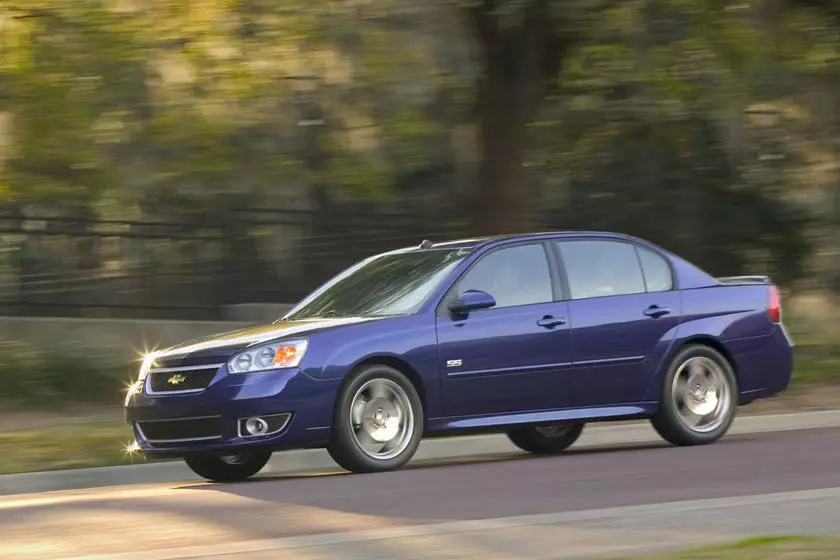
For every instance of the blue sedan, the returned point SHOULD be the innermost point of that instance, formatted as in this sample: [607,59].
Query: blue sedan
[530,335]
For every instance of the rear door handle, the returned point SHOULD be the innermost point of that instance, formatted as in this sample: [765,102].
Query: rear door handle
[655,311]
[549,322]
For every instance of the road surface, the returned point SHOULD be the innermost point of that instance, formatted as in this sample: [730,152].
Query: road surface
[604,499]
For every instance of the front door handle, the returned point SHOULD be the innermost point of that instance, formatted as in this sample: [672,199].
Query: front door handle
[549,322]
[655,311]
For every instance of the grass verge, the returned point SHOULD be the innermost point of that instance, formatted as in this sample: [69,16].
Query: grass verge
[763,548]
[56,442]
[66,446]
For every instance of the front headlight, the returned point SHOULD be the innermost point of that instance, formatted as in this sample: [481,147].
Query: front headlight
[285,354]
[148,362]
[137,387]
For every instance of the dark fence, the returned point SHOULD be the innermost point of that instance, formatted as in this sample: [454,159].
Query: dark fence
[60,266]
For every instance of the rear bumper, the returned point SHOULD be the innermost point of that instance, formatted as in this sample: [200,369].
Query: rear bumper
[764,364]
[208,420]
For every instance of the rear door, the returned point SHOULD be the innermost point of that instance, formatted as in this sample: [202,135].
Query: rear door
[624,310]
[511,357]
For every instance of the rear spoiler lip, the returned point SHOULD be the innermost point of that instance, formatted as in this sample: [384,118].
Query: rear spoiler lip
[754,279]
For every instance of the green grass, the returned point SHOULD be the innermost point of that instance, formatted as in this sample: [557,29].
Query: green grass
[763,548]
[66,444]
[815,366]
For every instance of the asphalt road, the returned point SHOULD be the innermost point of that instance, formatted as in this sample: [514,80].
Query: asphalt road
[613,500]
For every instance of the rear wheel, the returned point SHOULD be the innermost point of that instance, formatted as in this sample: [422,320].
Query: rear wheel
[228,467]
[378,421]
[546,439]
[699,397]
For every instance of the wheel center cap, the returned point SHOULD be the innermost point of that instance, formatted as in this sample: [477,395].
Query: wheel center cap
[700,391]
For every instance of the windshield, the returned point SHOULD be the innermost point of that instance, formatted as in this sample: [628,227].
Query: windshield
[389,284]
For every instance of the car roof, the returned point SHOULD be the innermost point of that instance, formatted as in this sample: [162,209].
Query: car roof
[475,243]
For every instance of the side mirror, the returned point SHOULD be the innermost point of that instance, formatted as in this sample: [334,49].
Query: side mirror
[470,301]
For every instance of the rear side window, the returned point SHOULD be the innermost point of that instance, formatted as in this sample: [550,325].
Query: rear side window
[601,268]
[656,270]
[513,276]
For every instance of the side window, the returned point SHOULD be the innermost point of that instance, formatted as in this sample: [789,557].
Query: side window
[656,270]
[513,276]
[601,268]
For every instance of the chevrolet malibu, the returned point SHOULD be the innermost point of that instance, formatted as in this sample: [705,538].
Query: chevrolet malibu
[531,335]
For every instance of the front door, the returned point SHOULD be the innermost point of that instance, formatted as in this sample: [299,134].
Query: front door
[624,315]
[512,357]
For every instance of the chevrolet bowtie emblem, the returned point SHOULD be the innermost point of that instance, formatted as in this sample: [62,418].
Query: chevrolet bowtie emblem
[176,379]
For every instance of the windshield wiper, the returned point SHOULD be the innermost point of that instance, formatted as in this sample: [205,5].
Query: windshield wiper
[328,314]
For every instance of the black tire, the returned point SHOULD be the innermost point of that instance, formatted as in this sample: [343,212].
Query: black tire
[541,440]
[228,467]
[344,447]
[668,421]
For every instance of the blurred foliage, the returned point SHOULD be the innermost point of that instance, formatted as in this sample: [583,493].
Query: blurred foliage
[57,375]
[709,126]
[67,443]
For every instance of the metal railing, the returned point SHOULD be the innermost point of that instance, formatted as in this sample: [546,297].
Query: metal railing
[58,266]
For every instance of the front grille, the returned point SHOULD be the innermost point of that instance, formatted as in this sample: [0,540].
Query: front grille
[182,429]
[178,380]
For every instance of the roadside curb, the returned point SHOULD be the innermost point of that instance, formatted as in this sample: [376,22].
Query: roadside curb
[296,462]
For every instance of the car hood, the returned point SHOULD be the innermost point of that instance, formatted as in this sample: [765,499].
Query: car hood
[225,344]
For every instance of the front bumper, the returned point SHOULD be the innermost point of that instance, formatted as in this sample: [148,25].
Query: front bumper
[227,399]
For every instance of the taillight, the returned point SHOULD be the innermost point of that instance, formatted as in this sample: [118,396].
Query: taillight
[774,304]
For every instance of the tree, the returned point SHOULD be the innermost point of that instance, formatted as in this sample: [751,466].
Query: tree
[522,45]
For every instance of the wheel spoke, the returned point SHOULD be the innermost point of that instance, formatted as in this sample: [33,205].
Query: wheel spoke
[553,430]
[379,390]
[691,416]
[232,459]
[681,387]
[357,412]
[365,440]
[696,367]
[389,445]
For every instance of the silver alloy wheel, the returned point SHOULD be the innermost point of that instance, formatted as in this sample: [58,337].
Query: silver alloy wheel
[553,430]
[381,419]
[234,459]
[702,395]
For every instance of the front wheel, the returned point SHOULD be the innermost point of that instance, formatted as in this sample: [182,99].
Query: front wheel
[378,421]
[228,467]
[699,398]
[545,440]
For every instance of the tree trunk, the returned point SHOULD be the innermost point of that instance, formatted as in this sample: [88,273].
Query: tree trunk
[519,59]
[502,194]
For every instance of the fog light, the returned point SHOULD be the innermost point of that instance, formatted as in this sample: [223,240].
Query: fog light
[265,425]
[256,426]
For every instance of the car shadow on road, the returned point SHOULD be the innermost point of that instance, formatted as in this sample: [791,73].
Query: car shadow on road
[492,485]
[423,465]
[454,489]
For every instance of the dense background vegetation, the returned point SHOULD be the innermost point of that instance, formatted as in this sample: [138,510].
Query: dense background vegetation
[256,145]
[164,158]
